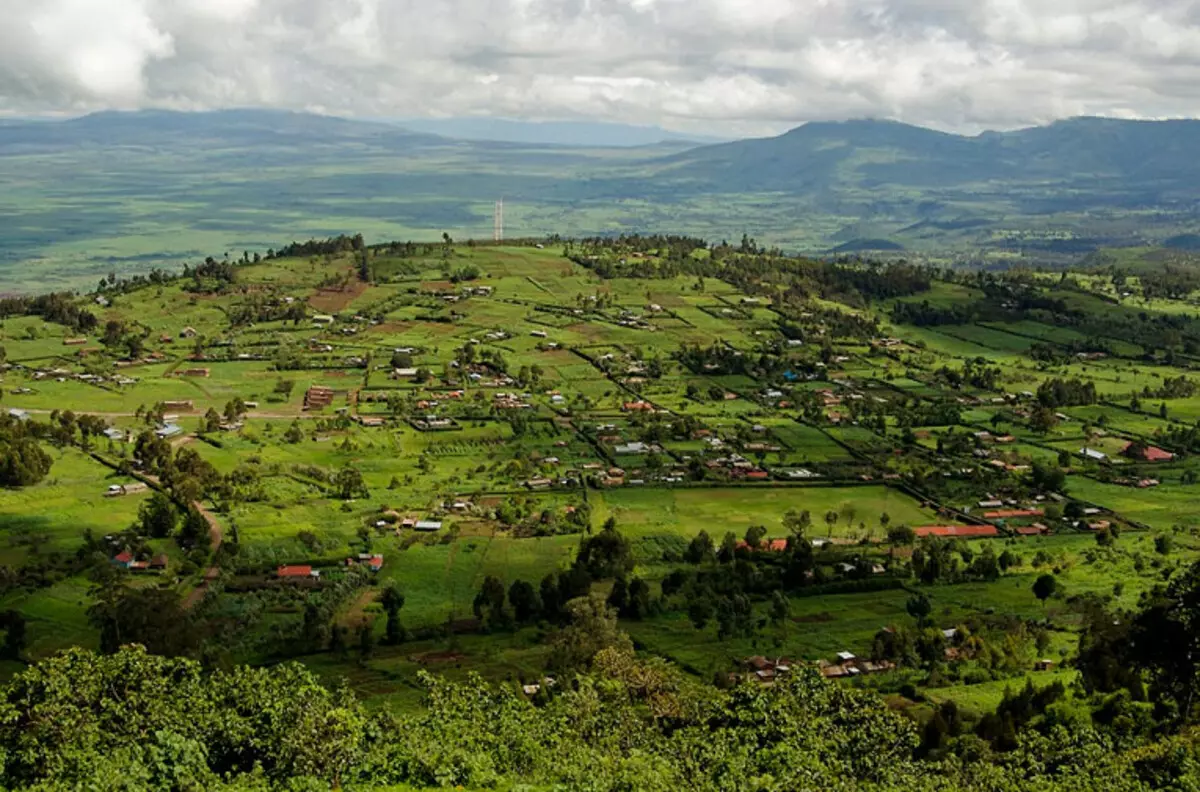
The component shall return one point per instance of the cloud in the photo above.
(716, 66)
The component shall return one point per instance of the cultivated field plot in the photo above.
(686, 512)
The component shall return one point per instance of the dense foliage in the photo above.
(137, 721)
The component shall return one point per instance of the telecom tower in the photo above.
(498, 222)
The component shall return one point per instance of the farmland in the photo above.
(783, 456)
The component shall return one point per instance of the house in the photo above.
(317, 397)
(638, 406)
(113, 433)
(539, 483)
(1146, 453)
(962, 531)
(374, 562)
(1093, 454)
(20, 415)
(168, 430)
(74, 341)
(404, 373)
(428, 525)
(187, 332)
(631, 448)
(297, 572)
(538, 333)
(322, 319)
(159, 561)
(123, 559)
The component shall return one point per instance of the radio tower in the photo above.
(498, 222)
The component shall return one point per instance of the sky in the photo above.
(717, 67)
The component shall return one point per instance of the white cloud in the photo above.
(716, 66)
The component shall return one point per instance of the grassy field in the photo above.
(551, 400)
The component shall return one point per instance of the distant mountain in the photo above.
(1150, 158)
(226, 128)
(552, 133)
(939, 189)
(132, 189)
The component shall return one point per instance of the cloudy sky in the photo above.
(725, 67)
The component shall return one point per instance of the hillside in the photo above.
(608, 514)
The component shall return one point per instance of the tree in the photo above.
(152, 617)
(754, 536)
(1045, 586)
(157, 516)
(592, 627)
(781, 607)
(728, 548)
(524, 600)
(1047, 478)
(366, 642)
(638, 604)
(349, 483)
(1164, 639)
(700, 611)
(919, 607)
(618, 596)
(831, 518)
(608, 554)
(195, 530)
(700, 549)
(797, 522)
(212, 421)
(22, 460)
(392, 600)
(14, 635)
(489, 604)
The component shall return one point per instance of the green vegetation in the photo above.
(670, 477)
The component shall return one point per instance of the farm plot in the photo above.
(686, 512)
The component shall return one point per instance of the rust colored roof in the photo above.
(967, 531)
(294, 571)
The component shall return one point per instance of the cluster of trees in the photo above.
(602, 556)
(136, 720)
(924, 314)
(57, 307)
(1055, 393)
(320, 247)
(210, 276)
(22, 460)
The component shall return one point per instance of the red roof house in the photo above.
(962, 531)
(296, 571)
(1147, 453)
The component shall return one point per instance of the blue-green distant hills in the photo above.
(129, 190)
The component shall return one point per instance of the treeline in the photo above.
(1075, 392)
(749, 268)
(320, 247)
(57, 307)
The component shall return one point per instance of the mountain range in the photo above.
(129, 189)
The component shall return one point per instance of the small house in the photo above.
(428, 525)
(297, 572)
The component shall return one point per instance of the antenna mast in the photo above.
(498, 222)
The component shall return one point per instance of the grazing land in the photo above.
(384, 459)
